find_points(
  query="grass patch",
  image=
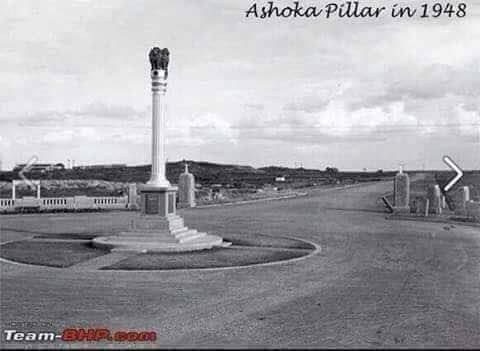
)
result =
(260, 240)
(51, 254)
(69, 236)
(462, 219)
(214, 258)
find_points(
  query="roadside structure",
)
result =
(158, 228)
(434, 195)
(401, 192)
(186, 188)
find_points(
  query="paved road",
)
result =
(375, 283)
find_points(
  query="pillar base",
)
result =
(158, 228)
(158, 201)
(158, 184)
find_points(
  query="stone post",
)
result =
(186, 189)
(132, 196)
(14, 184)
(434, 198)
(401, 192)
(465, 195)
(465, 199)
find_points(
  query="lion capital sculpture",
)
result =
(159, 59)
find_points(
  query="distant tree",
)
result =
(331, 170)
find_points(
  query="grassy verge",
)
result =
(260, 240)
(69, 236)
(214, 258)
(51, 254)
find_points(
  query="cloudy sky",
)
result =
(348, 93)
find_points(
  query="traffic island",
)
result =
(79, 255)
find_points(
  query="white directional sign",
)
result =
(457, 169)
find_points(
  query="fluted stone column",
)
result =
(159, 106)
(158, 196)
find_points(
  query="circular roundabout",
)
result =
(76, 251)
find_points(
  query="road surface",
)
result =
(375, 283)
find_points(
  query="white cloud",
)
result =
(202, 129)
(469, 121)
(84, 64)
(58, 137)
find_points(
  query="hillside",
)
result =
(206, 173)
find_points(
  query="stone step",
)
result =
(176, 226)
(179, 231)
(192, 237)
(144, 236)
(175, 221)
(185, 234)
(212, 239)
(150, 244)
(174, 217)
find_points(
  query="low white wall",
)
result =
(110, 202)
(50, 203)
(6, 204)
(66, 203)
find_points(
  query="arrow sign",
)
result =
(457, 169)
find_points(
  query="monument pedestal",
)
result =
(158, 228)
(158, 201)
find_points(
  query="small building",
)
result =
(280, 179)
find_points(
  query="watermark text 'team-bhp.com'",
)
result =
(79, 335)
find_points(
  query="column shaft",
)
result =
(159, 86)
